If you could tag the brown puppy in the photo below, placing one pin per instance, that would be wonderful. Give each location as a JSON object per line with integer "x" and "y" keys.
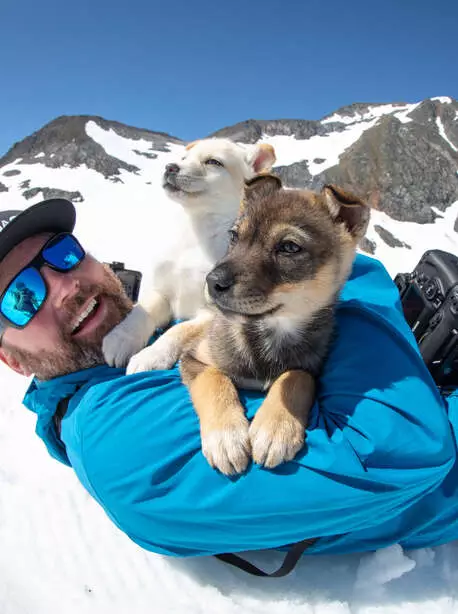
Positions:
{"x": 275, "y": 292}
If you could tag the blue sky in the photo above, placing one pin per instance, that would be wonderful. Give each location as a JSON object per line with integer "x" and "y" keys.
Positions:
{"x": 190, "y": 67}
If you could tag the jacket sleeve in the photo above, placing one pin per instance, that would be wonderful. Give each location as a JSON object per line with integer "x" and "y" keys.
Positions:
{"x": 378, "y": 441}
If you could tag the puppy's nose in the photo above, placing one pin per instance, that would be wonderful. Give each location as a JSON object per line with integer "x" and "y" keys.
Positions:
{"x": 220, "y": 280}
{"x": 172, "y": 169}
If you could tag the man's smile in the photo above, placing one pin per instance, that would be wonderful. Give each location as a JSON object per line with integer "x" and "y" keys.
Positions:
{"x": 88, "y": 318}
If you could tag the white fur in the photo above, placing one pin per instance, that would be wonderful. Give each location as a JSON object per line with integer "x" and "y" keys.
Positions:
{"x": 276, "y": 437}
{"x": 271, "y": 447}
{"x": 137, "y": 325}
{"x": 210, "y": 196}
{"x": 162, "y": 354}
{"x": 228, "y": 449}
{"x": 278, "y": 329}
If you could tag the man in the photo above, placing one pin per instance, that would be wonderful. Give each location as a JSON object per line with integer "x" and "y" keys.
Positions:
{"x": 379, "y": 466}
{"x": 25, "y": 299}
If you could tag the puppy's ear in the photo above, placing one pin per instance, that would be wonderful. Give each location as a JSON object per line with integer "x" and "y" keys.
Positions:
{"x": 191, "y": 145}
{"x": 261, "y": 158}
{"x": 346, "y": 208}
{"x": 261, "y": 186}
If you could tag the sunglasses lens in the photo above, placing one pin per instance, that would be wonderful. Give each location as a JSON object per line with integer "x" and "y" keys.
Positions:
{"x": 64, "y": 252}
{"x": 23, "y": 297}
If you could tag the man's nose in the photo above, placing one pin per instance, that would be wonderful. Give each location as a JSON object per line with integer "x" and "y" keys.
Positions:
{"x": 61, "y": 286}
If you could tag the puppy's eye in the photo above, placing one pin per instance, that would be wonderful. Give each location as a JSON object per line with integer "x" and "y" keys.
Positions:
{"x": 213, "y": 162}
{"x": 233, "y": 236}
{"x": 288, "y": 247}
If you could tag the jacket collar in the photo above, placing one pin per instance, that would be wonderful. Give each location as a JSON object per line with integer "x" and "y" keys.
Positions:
{"x": 43, "y": 398}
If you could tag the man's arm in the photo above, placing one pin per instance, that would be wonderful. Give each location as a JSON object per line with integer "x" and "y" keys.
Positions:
{"x": 378, "y": 441}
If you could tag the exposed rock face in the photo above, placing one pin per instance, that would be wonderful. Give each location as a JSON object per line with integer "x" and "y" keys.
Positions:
{"x": 402, "y": 169}
{"x": 252, "y": 130}
{"x": 3, "y": 187}
{"x": 75, "y": 197}
{"x": 367, "y": 245}
{"x": 295, "y": 175}
{"x": 389, "y": 238}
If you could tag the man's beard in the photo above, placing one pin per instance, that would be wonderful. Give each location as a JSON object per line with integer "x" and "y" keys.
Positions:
{"x": 70, "y": 354}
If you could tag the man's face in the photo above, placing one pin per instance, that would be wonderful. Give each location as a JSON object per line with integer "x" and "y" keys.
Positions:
{"x": 66, "y": 334}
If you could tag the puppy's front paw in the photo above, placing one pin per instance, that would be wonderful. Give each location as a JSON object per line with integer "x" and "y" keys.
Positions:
{"x": 161, "y": 355}
{"x": 276, "y": 437}
{"x": 128, "y": 337}
{"x": 228, "y": 449}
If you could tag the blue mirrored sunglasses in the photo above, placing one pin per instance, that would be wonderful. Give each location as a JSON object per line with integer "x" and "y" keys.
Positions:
{"x": 26, "y": 293}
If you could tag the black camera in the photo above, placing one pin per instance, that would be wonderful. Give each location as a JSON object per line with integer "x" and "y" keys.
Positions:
{"x": 130, "y": 279}
{"x": 429, "y": 297}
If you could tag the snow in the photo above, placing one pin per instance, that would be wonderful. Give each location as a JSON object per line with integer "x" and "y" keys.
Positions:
{"x": 289, "y": 149}
{"x": 420, "y": 237}
{"x": 123, "y": 148}
{"x": 440, "y": 127}
{"x": 374, "y": 112}
{"x": 329, "y": 147}
{"x": 442, "y": 99}
{"x": 58, "y": 550}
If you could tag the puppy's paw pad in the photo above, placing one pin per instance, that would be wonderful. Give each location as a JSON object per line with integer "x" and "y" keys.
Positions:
{"x": 228, "y": 450}
{"x": 276, "y": 441}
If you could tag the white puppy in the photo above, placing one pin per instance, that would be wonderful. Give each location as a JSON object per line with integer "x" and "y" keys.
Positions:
{"x": 208, "y": 182}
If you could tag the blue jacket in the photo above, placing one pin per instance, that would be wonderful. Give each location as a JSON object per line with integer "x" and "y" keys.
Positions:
{"x": 379, "y": 466}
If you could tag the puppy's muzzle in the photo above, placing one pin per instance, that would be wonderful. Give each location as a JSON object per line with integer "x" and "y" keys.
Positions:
{"x": 170, "y": 174}
{"x": 232, "y": 293}
{"x": 219, "y": 281}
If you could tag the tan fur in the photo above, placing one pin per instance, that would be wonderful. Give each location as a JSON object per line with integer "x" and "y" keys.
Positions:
{"x": 267, "y": 153}
{"x": 285, "y": 413}
{"x": 223, "y": 426}
{"x": 311, "y": 293}
{"x": 202, "y": 351}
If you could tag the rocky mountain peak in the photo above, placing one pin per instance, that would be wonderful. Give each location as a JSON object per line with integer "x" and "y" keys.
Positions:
{"x": 65, "y": 141}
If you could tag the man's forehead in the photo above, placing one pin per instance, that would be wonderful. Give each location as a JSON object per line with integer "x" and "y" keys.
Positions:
{"x": 20, "y": 255}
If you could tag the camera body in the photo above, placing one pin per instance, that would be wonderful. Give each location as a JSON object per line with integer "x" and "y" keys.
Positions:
{"x": 130, "y": 279}
{"x": 429, "y": 297}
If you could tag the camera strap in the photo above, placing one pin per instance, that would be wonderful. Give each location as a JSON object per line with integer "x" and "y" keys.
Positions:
{"x": 289, "y": 562}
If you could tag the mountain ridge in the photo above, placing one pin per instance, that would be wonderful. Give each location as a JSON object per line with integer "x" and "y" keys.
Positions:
{"x": 401, "y": 157}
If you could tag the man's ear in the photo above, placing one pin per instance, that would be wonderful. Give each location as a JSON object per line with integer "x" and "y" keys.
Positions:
{"x": 11, "y": 362}
{"x": 347, "y": 208}
{"x": 261, "y": 158}
{"x": 261, "y": 186}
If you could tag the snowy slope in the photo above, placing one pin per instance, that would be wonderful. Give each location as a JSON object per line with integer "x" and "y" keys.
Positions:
{"x": 58, "y": 551}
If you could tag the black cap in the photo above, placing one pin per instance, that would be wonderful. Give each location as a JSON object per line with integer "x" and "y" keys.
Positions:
{"x": 52, "y": 215}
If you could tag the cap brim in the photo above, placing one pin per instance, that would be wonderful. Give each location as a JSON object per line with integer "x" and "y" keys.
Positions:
{"x": 52, "y": 215}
